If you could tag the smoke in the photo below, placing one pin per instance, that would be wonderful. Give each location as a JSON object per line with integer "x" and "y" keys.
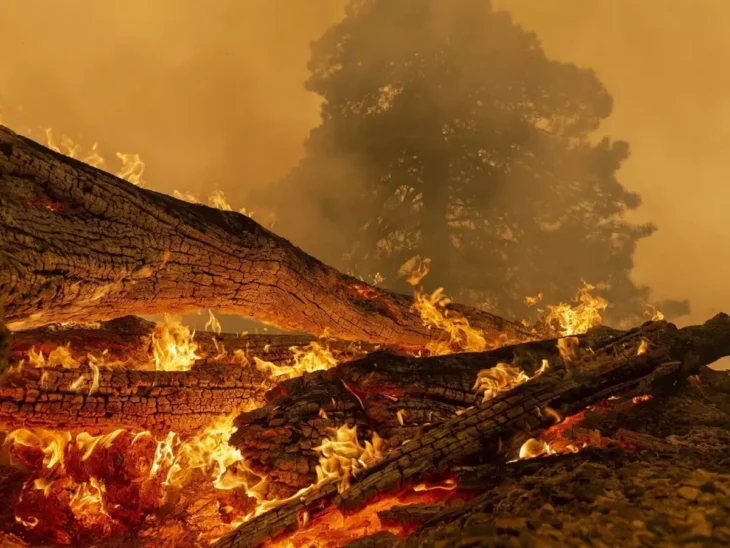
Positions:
{"x": 210, "y": 94}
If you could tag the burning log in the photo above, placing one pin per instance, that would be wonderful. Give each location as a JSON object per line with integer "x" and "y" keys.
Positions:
{"x": 77, "y": 244}
{"x": 99, "y": 400}
{"x": 132, "y": 341}
{"x": 647, "y": 360}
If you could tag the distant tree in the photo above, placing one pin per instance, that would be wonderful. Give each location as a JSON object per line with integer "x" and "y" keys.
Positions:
{"x": 447, "y": 133}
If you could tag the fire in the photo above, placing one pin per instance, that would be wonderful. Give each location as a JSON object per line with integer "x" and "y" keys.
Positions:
{"x": 533, "y": 448}
{"x": 653, "y": 313}
{"x": 415, "y": 269}
{"x": 59, "y": 357}
{"x": 343, "y": 456}
{"x": 568, "y": 348}
{"x": 51, "y": 443}
{"x": 308, "y": 359}
{"x": 434, "y": 314}
{"x": 173, "y": 346}
{"x": 132, "y": 168}
{"x": 643, "y": 347}
{"x": 502, "y": 378}
{"x": 213, "y": 324}
{"x": 574, "y": 320}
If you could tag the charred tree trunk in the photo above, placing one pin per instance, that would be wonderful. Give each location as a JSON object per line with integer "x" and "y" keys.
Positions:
{"x": 612, "y": 368}
{"x": 78, "y": 244}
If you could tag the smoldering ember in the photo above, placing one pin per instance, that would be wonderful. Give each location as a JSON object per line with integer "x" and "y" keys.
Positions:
{"x": 380, "y": 419}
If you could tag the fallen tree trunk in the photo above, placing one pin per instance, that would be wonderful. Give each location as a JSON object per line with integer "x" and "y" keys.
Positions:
{"x": 160, "y": 401}
{"x": 78, "y": 244}
{"x": 612, "y": 368}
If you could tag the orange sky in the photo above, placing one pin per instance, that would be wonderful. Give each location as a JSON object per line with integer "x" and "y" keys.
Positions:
{"x": 210, "y": 94}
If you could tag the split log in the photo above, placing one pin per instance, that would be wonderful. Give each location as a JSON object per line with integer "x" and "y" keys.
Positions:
{"x": 78, "y": 244}
{"x": 159, "y": 401}
{"x": 673, "y": 355}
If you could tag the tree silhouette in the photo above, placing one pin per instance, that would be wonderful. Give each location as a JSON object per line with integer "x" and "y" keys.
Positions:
{"x": 447, "y": 133}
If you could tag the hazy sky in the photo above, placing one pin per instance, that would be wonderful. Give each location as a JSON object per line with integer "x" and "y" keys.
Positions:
{"x": 210, "y": 94}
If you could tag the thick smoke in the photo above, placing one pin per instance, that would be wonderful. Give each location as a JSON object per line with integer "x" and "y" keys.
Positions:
{"x": 210, "y": 95}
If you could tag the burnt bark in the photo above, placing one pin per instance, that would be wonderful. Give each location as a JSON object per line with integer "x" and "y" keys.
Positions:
{"x": 159, "y": 401}
{"x": 78, "y": 244}
{"x": 610, "y": 369}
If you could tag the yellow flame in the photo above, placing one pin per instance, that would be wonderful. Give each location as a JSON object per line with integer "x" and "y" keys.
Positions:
{"x": 532, "y": 301}
{"x": 88, "y": 499}
{"x": 132, "y": 168}
{"x": 60, "y": 357}
{"x": 173, "y": 346}
{"x": 51, "y": 443}
{"x": 343, "y": 456}
{"x": 213, "y": 324}
{"x": 651, "y": 311}
{"x": 568, "y": 348}
{"x": 535, "y": 448}
{"x": 643, "y": 347}
{"x": 502, "y": 378}
{"x": 415, "y": 269}
{"x": 87, "y": 443}
{"x": 308, "y": 359}
{"x": 434, "y": 314}
{"x": 574, "y": 320}
{"x": 208, "y": 452}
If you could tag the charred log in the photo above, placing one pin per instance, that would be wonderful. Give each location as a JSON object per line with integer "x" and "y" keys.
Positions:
{"x": 160, "y": 401}
{"x": 78, "y": 244}
{"x": 130, "y": 340}
{"x": 612, "y": 368}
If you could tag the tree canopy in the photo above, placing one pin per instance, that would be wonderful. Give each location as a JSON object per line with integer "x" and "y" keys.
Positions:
{"x": 448, "y": 134}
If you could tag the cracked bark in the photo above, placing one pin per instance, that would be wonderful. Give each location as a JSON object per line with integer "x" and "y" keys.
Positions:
{"x": 612, "y": 368}
{"x": 159, "y": 401}
{"x": 78, "y": 244}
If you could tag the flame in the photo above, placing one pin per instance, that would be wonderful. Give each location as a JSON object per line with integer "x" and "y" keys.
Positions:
{"x": 132, "y": 168}
{"x": 643, "y": 347}
{"x": 173, "y": 346}
{"x": 532, "y": 301}
{"x": 568, "y": 348}
{"x": 642, "y": 398}
{"x": 88, "y": 500}
{"x": 343, "y": 456}
{"x": 415, "y": 269}
{"x": 51, "y": 443}
{"x": 653, "y": 313}
{"x": 60, "y": 357}
{"x": 87, "y": 443}
{"x": 502, "y": 378}
{"x": 535, "y": 448}
{"x": 461, "y": 335}
{"x": 213, "y": 324}
{"x": 574, "y": 320}
{"x": 308, "y": 359}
